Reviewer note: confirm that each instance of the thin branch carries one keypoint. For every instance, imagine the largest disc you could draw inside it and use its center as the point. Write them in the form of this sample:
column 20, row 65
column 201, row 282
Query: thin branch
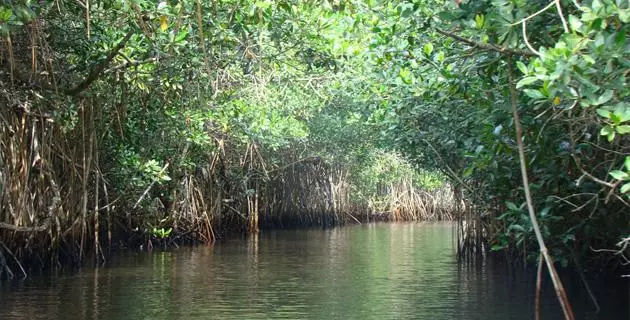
column 144, row 194
column 535, row 14
column 564, row 21
column 81, row 4
column 130, row 63
column 527, row 40
column 452, row 173
column 590, row 176
column 488, row 46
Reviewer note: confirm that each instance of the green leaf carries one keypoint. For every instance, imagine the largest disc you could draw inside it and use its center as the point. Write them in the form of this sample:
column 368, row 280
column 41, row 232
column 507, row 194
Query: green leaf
column 516, row 227
column 608, row 94
column 603, row 113
column 545, row 211
column 623, row 129
column 588, row 59
column 568, row 237
column 625, row 188
column 428, row 49
column 479, row 21
column 181, row 36
column 5, row 14
column 263, row 4
column 627, row 163
column 619, row 175
column 525, row 81
column 521, row 66
column 405, row 75
column 607, row 130
column 624, row 15
column 468, row 172
column 511, row 206
column 575, row 23
column 534, row 94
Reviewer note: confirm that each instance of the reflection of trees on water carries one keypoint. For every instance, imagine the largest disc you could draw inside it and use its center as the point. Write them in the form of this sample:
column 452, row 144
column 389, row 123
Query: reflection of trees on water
column 370, row 271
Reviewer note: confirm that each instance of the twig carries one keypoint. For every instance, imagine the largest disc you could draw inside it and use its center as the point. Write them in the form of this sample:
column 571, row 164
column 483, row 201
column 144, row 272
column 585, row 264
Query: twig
column 621, row 199
column 612, row 190
column 564, row 21
column 535, row 14
column 590, row 176
column 453, row 174
column 527, row 40
column 580, row 271
column 594, row 197
column 355, row 219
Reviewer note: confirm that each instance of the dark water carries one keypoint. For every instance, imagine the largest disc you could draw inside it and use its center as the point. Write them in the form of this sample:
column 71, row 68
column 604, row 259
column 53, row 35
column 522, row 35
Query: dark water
column 382, row 271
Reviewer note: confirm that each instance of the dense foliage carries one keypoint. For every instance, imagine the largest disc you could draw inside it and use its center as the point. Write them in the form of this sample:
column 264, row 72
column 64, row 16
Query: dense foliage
column 454, row 66
column 188, row 119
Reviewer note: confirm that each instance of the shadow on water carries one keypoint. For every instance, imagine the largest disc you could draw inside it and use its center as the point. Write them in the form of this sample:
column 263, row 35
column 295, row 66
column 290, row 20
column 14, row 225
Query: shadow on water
column 375, row 271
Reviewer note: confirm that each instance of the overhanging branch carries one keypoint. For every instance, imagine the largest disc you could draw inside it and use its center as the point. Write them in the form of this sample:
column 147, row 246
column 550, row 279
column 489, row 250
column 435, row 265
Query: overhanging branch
column 100, row 67
column 488, row 46
column 130, row 64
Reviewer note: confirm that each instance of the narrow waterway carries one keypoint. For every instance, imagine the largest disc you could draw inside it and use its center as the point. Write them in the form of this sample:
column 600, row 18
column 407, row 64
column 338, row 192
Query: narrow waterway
column 376, row 271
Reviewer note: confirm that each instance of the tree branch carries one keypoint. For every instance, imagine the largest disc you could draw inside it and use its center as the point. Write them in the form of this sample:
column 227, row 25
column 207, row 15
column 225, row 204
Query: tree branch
column 131, row 63
column 100, row 67
column 11, row 227
column 488, row 46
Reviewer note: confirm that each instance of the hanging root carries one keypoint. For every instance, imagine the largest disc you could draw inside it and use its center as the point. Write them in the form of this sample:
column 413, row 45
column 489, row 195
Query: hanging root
column 6, row 267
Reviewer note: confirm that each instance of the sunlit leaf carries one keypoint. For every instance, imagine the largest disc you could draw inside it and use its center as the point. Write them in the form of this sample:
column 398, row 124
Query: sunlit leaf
column 163, row 23
column 525, row 81
column 619, row 175
column 428, row 48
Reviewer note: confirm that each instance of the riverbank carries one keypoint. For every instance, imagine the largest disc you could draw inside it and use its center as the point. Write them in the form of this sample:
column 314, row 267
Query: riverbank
column 91, row 241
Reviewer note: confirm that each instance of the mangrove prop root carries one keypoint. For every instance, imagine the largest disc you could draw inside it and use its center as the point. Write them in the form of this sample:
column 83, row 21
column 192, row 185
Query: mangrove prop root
column 538, row 285
column 557, row 283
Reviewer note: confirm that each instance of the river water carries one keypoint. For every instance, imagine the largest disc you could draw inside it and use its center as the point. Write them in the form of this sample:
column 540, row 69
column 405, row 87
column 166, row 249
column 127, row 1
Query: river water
column 375, row 271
